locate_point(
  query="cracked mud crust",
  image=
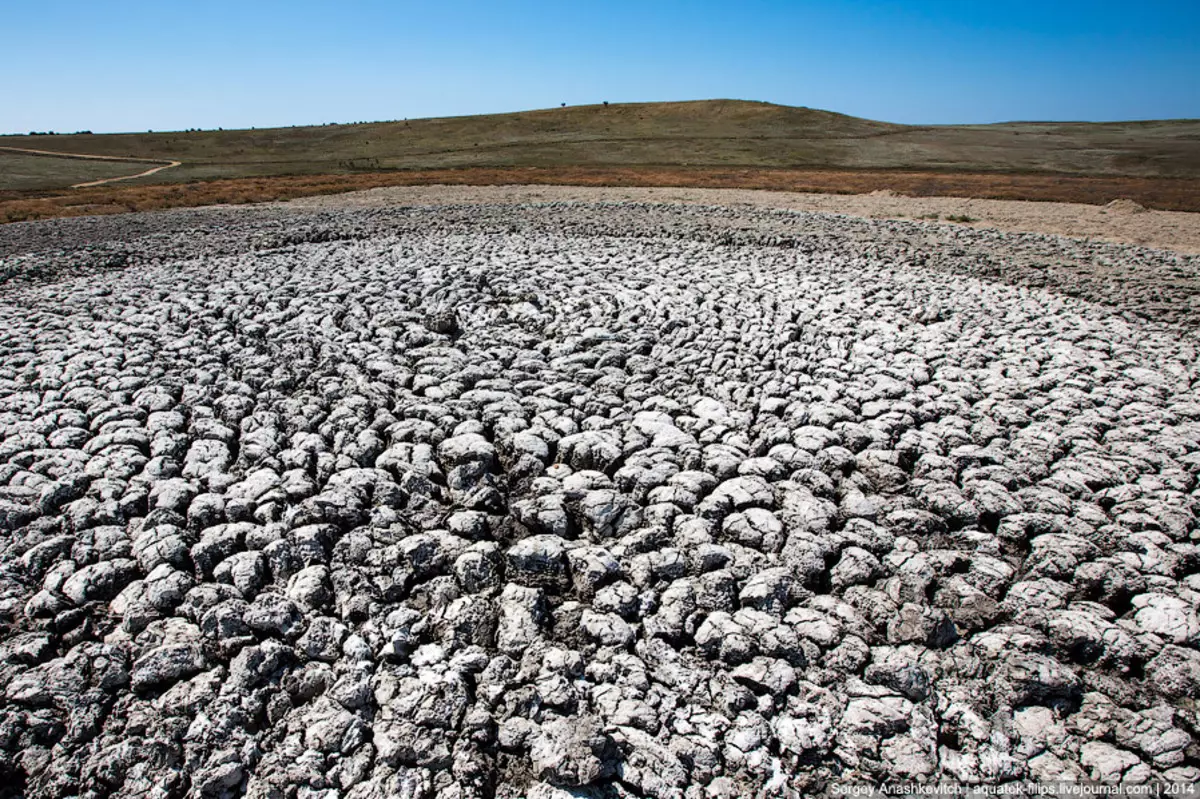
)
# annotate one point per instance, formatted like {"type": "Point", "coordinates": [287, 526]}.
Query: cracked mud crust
{"type": "Point", "coordinates": [612, 500]}
{"type": "Point", "coordinates": [1120, 221]}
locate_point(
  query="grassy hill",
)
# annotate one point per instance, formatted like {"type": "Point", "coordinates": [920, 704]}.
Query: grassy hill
{"type": "Point", "coordinates": [713, 133]}
{"type": "Point", "coordinates": [711, 143]}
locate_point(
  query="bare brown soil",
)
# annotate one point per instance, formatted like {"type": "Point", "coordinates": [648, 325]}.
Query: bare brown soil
{"type": "Point", "coordinates": [1168, 194]}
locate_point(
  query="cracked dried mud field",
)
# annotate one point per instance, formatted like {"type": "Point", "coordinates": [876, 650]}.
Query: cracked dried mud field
{"type": "Point", "coordinates": [617, 499]}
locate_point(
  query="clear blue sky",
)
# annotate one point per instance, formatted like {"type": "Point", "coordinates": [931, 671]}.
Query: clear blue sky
{"type": "Point", "coordinates": [113, 65]}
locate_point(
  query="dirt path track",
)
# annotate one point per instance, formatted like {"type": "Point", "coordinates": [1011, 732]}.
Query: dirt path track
{"type": "Point", "coordinates": [163, 164]}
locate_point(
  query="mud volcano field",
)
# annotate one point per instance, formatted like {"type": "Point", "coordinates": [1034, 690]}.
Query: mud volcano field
{"type": "Point", "coordinates": [590, 500]}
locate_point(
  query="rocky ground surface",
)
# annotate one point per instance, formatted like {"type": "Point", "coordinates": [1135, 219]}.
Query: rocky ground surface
{"type": "Point", "coordinates": [620, 500]}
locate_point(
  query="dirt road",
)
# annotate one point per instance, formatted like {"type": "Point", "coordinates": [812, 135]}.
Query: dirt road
{"type": "Point", "coordinates": [162, 164]}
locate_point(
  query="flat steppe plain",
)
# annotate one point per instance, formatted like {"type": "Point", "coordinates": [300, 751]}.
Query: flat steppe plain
{"type": "Point", "coordinates": [609, 497]}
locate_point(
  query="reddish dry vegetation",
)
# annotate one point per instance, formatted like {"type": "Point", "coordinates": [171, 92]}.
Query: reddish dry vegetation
{"type": "Point", "coordinates": [1168, 194]}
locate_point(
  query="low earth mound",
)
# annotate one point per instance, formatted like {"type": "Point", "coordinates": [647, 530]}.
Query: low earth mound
{"type": "Point", "coordinates": [588, 500]}
{"type": "Point", "coordinates": [1125, 206]}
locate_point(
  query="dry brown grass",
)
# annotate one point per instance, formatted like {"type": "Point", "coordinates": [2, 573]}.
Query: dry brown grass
{"type": "Point", "coordinates": [1169, 194]}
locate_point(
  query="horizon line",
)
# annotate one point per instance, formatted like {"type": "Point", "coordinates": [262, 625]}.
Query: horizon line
{"type": "Point", "coordinates": [603, 104]}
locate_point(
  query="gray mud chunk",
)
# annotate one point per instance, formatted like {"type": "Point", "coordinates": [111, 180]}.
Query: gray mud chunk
{"type": "Point", "coordinates": [916, 624]}
{"type": "Point", "coordinates": [14, 515]}
{"type": "Point", "coordinates": [162, 544]}
{"type": "Point", "coordinates": [471, 621]}
{"type": "Point", "coordinates": [274, 614]}
{"type": "Point", "coordinates": [469, 524]}
{"type": "Point", "coordinates": [42, 556]}
{"type": "Point", "coordinates": [620, 598]}
{"type": "Point", "coordinates": [330, 728]}
{"type": "Point", "coordinates": [246, 571]}
{"type": "Point", "coordinates": [737, 494]}
{"type": "Point", "coordinates": [166, 587]}
{"type": "Point", "coordinates": [766, 676]}
{"type": "Point", "coordinates": [521, 616]}
{"type": "Point", "coordinates": [878, 717]}
{"type": "Point", "coordinates": [218, 780]}
{"type": "Point", "coordinates": [907, 679]}
{"type": "Point", "coordinates": [572, 751]}
{"type": "Point", "coordinates": [1168, 616]}
{"type": "Point", "coordinates": [757, 528]}
{"type": "Point", "coordinates": [770, 591]}
{"type": "Point", "coordinates": [856, 566]}
{"type": "Point", "coordinates": [545, 514]}
{"type": "Point", "coordinates": [589, 450]}
{"type": "Point", "coordinates": [256, 665]}
{"type": "Point", "coordinates": [310, 587]}
{"type": "Point", "coordinates": [54, 495]}
{"type": "Point", "coordinates": [1032, 679]}
{"type": "Point", "coordinates": [444, 321]}
{"type": "Point", "coordinates": [479, 567]}
{"type": "Point", "coordinates": [607, 513]}
{"type": "Point", "coordinates": [1175, 671]}
{"type": "Point", "coordinates": [165, 666]}
{"type": "Point", "coordinates": [323, 639]}
{"type": "Point", "coordinates": [26, 648]}
{"type": "Point", "coordinates": [591, 568]}
{"type": "Point", "coordinates": [648, 766]}
{"type": "Point", "coordinates": [174, 494]}
{"type": "Point", "coordinates": [100, 581]}
{"type": "Point", "coordinates": [722, 636]}
{"type": "Point", "coordinates": [606, 629]}
{"type": "Point", "coordinates": [1107, 763]}
{"type": "Point", "coordinates": [206, 458]}
{"type": "Point", "coordinates": [225, 624]}
{"type": "Point", "coordinates": [470, 448]}
{"type": "Point", "coordinates": [215, 545]}
{"type": "Point", "coordinates": [538, 561]}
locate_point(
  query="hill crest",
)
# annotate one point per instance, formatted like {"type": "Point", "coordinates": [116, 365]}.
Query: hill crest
{"type": "Point", "coordinates": [698, 133]}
